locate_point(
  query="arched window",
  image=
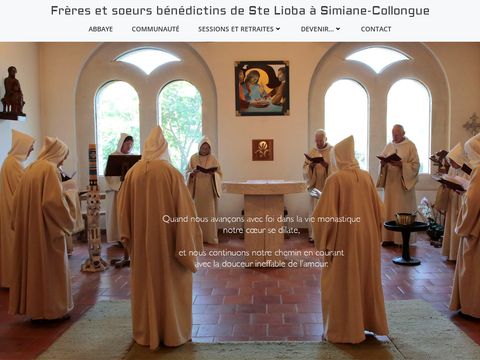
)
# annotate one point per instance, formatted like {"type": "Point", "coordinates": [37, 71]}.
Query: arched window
{"type": "Point", "coordinates": [147, 59]}
{"type": "Point", "coordinates": [116, 111]}
{"type": "Point", "coordinates": [346, 113]}
{"type": "Point", "coordinates": [148, 67]}
{"type": "Point", "coordinates": [404, 80]}
{"type": "Point", "coordinates": [377, 58]}
{"type": "Point", "coordinates": [409, 104]}
{"type": "Point", "coordinates": [180, 116]}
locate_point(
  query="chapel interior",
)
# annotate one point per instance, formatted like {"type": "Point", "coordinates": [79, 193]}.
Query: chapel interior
{"type": "Point", "coordinates": [63, 84]}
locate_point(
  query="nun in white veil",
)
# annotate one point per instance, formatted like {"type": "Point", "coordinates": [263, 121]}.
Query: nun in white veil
{"type": "Point", "coordinates": [42, 218]}
{"type": "Point", "coordinates": [204, 180]}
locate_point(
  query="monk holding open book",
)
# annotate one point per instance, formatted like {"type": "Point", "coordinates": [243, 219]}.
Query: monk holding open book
{"type": "Point", "coordinates": [316, 169]}
{"type": "Point", "coordinates": [204, 180]}
{"type": "Point", "coordinates": [456, 183]}
{"type": "Point", "coordinates": [399, 167]}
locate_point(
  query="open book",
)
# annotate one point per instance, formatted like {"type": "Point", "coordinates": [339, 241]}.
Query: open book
{"type": "Point", "coordinates": [466, 169]}
{"type": "Point", "coordinates": [439, 155]}
{"type": "Point", "coordinates": [455, 183]}
{"type": "Point", "coordinates": [206, 171]}
{"type": "Point", "coordinates": [315, 160]}
{"type": "Point", "coordinates": [65, 176]}
{"type": "Point", "coordinates": [315, 193]}
{"type": "Point", "coordinates": [390, 158]}
{"type": "Point", "coordinates": [118, 165]}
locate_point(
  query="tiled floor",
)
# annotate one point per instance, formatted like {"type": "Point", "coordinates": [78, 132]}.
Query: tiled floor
{"type": "Point", "coordinates": [241, 304]}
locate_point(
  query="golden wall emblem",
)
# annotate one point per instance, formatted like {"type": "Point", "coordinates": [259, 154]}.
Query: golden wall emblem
{"type": "Point", "coordinates": [262, 150]}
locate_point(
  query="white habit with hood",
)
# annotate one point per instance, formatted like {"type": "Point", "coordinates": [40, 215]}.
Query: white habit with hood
{"type": "Point", "coordinates": [41, 218]}
{"type": "Point", "coordinates": [10, 175]}
{"type": "Point", "coordinates": [205, 190]}
{"type": "Point", "coordinates": [162, 253]}
{"type": "Point", "coordinates": [113, 185]}
{"type": "Point", "coordinates": [315, 177]}
{"type": "Point", "coordinates": [451, 240]}
{"type": "Point", "coordinates": [399, 185]}
{"type": "Point", "coordinates": [352, 295]}
{"type": "Point", "coordinates": [466, 280]}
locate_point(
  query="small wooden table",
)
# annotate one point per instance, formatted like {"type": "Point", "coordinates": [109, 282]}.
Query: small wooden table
{"type": "Point", "coordinates": [264, 204]}
{"type": "Point", "coordinates": [406, 259]}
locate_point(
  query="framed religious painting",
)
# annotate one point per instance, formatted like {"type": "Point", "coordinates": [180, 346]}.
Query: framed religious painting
{"type": "Point", "coordinates": [262, 88]}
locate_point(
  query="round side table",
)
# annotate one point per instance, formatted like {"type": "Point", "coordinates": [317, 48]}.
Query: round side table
{"type": "Point", "coordinates": [405, 259]}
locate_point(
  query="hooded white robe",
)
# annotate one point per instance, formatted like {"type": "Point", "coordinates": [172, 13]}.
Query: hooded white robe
{"type": "Point", "coordinates": [10, 175]}
{"type": "Point", "coordinates": [451, 240]}
{"type": "Point", "coordinates": [113, 186]}
{"type": "Point", "coordinates": [205, 190]}
{"type": "Point", "coordinates": [351, 285]}
{"type": "Point", "coordinates": [399, 185]}
{"type": "Point", "coordinates": [466, 280]}
{"type": "Point", "coordinates": [161, 273]}
{"type": "Point", "coordinates": [316, 177]}
{"type": "Point", "coordinates": [41, 218]}
{"type": "Point", "coordinates": [70, 189]}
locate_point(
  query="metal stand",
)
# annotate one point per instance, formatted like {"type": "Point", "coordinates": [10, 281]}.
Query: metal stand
{"type": "Point", "coordinates": [406, 259]}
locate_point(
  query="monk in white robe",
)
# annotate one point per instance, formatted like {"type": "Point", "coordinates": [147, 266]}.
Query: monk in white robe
{"type": "Point", "coordinates": [10, 175]}
{"type": "Point", "coordinates": [315, 174]}
{"type": "Point", "coordinates": [451, 240]}
{"type": "Point", "coordinates": [41, 219]}
{"type": "Point", "coordinates": [352, 295]}
{"type": "Point", "coordinates": [124, 147]}
{"type": "Point", "coordinates": [162, 252]}
{"type": "Point", "coordinates": [398, 180]}
{"type": "Point", "coordinates": [466, 281]}
{"type": "Point", "coordinates": [205, 187]}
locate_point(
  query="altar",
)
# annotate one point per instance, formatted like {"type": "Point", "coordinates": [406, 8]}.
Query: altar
{"type": "Point", "coordinates": [263, 221]}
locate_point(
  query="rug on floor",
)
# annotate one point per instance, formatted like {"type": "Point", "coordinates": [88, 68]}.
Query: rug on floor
{"type": "Point", "coordinates": [417, 331]}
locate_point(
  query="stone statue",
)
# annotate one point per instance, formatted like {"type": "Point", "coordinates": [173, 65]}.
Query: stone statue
{"type": "Point", "coordinates": [13, 100]}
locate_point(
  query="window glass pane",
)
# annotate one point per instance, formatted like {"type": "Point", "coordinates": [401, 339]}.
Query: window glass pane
{"type": "Point", "coordinates": [409, 105]}
{"type": "Point", "coordinates": [378, 58]}
{"type": "Point", "coordinates": [147, 59]}
{"type": "Point", "coordinates": [346, 113]}
{"type": "Point", "coordinates": [116, 111]}
{"type": "Point", "coordinates": [180, 111]}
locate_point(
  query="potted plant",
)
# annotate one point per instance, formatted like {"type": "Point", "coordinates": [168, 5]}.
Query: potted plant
{"type": "Point", "coordinates": [434, 218]}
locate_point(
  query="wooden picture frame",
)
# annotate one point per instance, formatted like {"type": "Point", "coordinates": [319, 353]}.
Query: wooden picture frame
{"type": "Point", "coordinates": [262, 88]}
{"type": "Point", "coordinates": [262, 150]}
